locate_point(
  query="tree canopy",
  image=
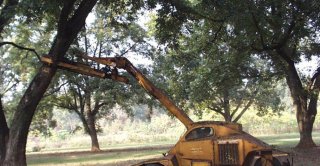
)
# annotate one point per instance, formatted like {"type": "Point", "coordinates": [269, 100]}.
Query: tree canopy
{"type": "Point", "coordinates": [281, 32]}
{"type": "Point", "coordinates": [212, 74]}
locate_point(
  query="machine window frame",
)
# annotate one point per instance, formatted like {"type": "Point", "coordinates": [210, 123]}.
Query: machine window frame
{"type": "Point", "coordinates": [199, 134]}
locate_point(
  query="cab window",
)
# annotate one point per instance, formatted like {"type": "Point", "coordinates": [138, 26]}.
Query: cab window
{"type": "Point", "coordinates": [199, 133]}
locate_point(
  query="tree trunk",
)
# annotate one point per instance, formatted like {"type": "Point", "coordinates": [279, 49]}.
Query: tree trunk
{"type": "Point", "coordinates": [88, 123]}
{"type": "Point", "coordinates": [93, 134]}
{"type": "Point", "coordinates": [91, 124]}
{"type": "Point", "coordinates": [4, 133]}
{"type": "Point", "coordinates": [226, 106]}
{"type": "Point", "coordinates": [305, 115]}
{"type": "Point", "coordinates": [305, 123]}
{"type": "Point", "coordinates": [67, 32]}
{"type": "Point", "coordinates": [149, 112]}
{"type": "Point", "coordinates": [7, 12]}
{"type": "Point", "coordinates": [306, 118]}
{"type": "Point", "coordinates": [84, 123]}
{"type": "Point", "coordinates": [16, 146]}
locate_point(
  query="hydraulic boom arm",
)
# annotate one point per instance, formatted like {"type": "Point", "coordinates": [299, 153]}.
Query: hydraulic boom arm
{"type": "Point", "coordinates": [124, 63]}
{"type": "Point", "coordinates": [121, 63]}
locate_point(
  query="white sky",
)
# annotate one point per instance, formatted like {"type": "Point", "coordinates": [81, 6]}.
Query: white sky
{"type": "Point", "coordinates": [308, 67]}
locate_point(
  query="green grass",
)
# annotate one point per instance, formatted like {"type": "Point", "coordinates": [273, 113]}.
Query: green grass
{"type": "Point", "coordinates": [104, 147]}
{"type": "Point", "coordinates": [287, 140]}
{"type": "Point", "coordinates": [89, 158]}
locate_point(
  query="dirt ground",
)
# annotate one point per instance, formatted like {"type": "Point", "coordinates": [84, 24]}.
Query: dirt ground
{"type": "Point", "coordinates": [308, 157]}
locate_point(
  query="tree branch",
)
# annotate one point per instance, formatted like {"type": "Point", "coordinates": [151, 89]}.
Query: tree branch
{"type": "Point", "coordinates": [259, 31]}
{"type": "Point", "coordinates": [251, 100]}
{"type": "Point", "coordinates": [284, 55]}
{"type": "Point", "coordinates": [239, 103]}
{"type": "Point", "coordinates": [314, 95]}
{"type": "Point", "coordinates": [69, 28]}
{"type": "Point", "coordinates": [82, 12]}
{"type": "Point", "coordinates": [189, 10]}
{"type": "Point", "coordinates": [8, 88]}
{"type": "Point", "coordinates": [286, 36]}
{"type": "Point", "coordinates": [64, 15]}
{"type": "Point", "coordinates": [215, 36]}
{"type": "Point", "coordinates": [216, 109]}
{"type": "Point", "coordinates": [7, 12]}
{"type": "Point", "coordinates": [237, 108]}
{"type": "Point", "coordinates": [54, 90]}
{"type": "Point", "coordinates": [97, 107]}
{"type": "Point", "coordinates": [81, 100]}
{"type": "Point", "coordinates": [68, 107]}
{"type": "Point", "coordinates": [312, 84]}
{"type": "Point", "coordinates": [127, 50]}
{"type": "Point", "coordinates": [3, 123]}
{"type": "Point", "coordinates": [243, 110]}
{"type": "Point", "coordinates": [75, 102]}
{"type": "Point", "coordinates": [20, 47]}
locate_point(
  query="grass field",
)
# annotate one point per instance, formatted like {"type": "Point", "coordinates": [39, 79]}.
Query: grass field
{"type": "Point", "coordinates": [125, 155]}
{"type": "Point", "coordinates": [287, 140]}
{"type": "Point", "coordinates": [87, 158]}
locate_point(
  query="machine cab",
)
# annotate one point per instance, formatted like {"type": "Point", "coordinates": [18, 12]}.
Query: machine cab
{"type": "Point", "coordinates": [196, 146]}
{"type": "Point", "coordinates": [214, 143]}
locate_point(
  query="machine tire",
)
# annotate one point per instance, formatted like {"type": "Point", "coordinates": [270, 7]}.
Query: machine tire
{"type": "Point", "coordinates": [275, 162]}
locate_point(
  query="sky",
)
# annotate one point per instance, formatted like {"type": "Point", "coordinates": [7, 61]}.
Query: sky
{"type": "Point", "coordinates": [308, 68]}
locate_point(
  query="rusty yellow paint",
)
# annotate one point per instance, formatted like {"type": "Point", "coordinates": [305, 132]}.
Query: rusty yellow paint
{"type": "Point", "coordinates": [201, 163]}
